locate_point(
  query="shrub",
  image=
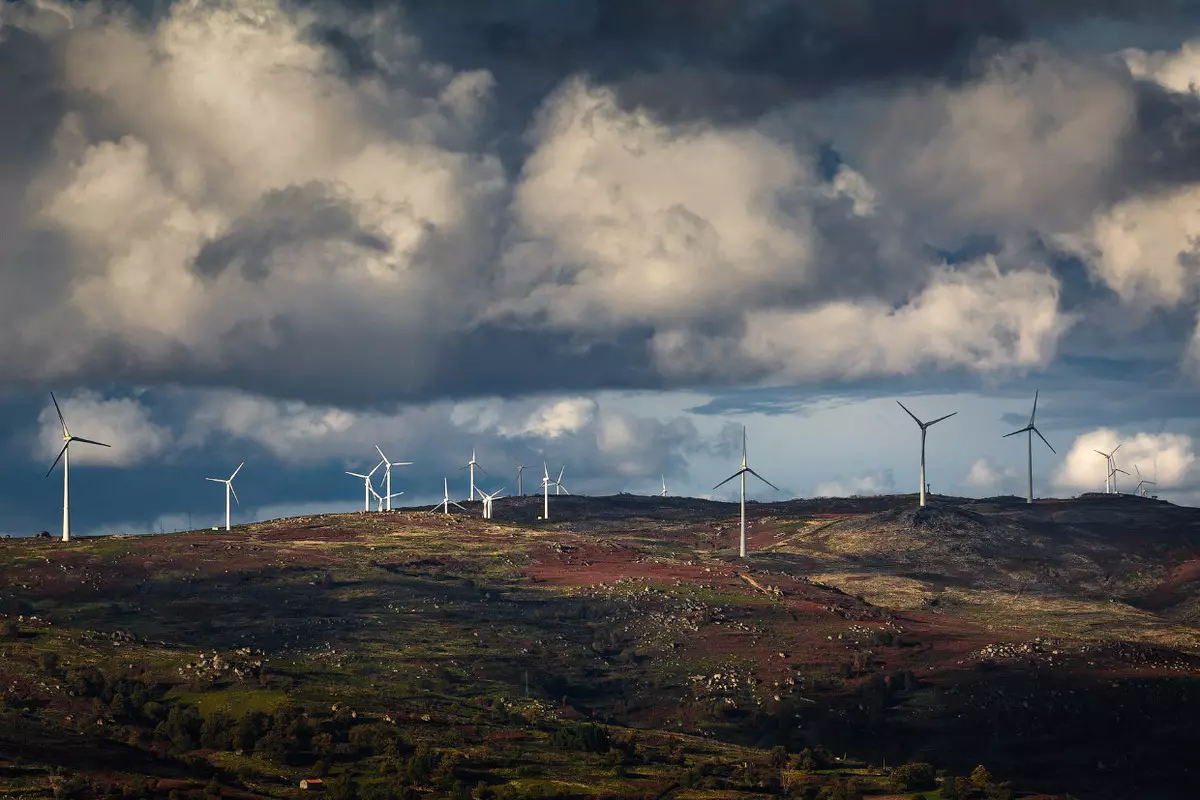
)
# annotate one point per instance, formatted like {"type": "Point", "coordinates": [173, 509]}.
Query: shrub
{"type": "Point", "coordinates": [957, 788]}
{"type": "Point", "coordinates": [915, 777]}
{"type": "Point", "coordinates": [588, 738]}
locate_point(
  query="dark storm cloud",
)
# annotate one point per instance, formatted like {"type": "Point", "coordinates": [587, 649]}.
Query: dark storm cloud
{"type": "Point", "coordinates": [293, 217]}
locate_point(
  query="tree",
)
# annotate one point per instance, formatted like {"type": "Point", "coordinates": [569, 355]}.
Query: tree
{"type": "Point", "coordinates": [343, 788]}
{"type": "Point", "coordinates": [779, 757]}
{"type": "Point", "coordinates": [957, 788]}
{"type": "Point", "coordinates": [981, 777]}
{"type": "Point", "coordinates": [914, 777]}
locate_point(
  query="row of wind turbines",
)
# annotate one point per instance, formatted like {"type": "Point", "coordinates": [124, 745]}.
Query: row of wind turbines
{"type": "Point", "coordinates": [384, 500]}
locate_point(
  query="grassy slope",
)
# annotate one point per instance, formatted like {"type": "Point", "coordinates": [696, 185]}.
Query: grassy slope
{"type": "Point", "coordinates": [632, 616]}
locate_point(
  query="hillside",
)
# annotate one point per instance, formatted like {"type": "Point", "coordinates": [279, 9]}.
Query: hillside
{"type": "Point", "coordinates": [618, 651]}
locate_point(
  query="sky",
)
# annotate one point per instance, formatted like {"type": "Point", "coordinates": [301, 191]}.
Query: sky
{"type": "Point", "coordinates": [606, 235]}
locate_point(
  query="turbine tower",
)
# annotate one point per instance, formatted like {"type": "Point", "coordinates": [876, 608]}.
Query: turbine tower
{"type": "Point", "coordinates": [65, 456]}
{"type": "Point", "coordinates": [446, 501]}
{"type": "Point", "coordinates": [487, 501]}
{"type": "Point", "coordinates": [545, 491]}
{"type": "Point", "coordinates": [663, 493]}
{"type": "Point", "coordinates": [229, 490]}
{"type": "Point", "coordinates": [742, 473]}
{"type": "Point", "coordinates": [387, 475]}
{"type": "Point", "coordinates": [1031, 430]}
{"type": "Point", "coordinates": [925, 426]}
{"type": "Point", "coordinates": [520, 469]}
{"type": "Point", "coordinates": [472, 464]}
{"type": "Point", "coordinates": [367, 488]}
{"type": "Point", "coordinates": [1142, 482]}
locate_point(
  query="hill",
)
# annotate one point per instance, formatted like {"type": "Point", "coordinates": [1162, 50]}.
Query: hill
{"type": "Point", "coordinates": [619, 650]}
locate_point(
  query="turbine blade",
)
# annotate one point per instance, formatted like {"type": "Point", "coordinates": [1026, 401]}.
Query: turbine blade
{"type": "Point", "coordinates": [357, 475]}
{"type": "Point", "coordinates": [727, 480]}
{"type": "Point", "coordinates": [234, 491]}
{"type": "Point", "coordinates": [1106, 455]}
{"type": "Point", "coordinates": [61, 421]}
{"type": "Point", "coordinates": [1034, 414]}
{"type": "Point", "coordinates": [236, 471]}
{"type": "Point", "coordinates": [560, 472]}
{"type": "Point", "coordinates": [479, 467]}
{"type": "Point", "coordinates": [1115, 449]}
{"type": "Point", "coordinates": [60, 455]}
{"type": "Point", "coordinates": [559, 485]}
{"type": "Point", "coordinates": [464, 466]}
{"type": "Point", "coordinates": [402, 463]}
{"type": "Point", "coordinates": [914, 416]}
{"type": "Point", "coordinates": [215, 480]}
{"type": "Point", "coordinates": [1043, 438]}
{"type": "Point", "coordinates": [939, 419]}
{"type": "Point", "coordinates": [761, 478]}
{"type": "Point", "coordinates": [457, 504]}
{"type": "Point", "coordinates": [1014, 433]}
{"type": "Point", "coordinates": [88, 441]}
{"type": "Point", "coordinates": [381, 455]}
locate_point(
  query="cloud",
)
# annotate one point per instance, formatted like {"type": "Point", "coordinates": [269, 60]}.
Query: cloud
{"type": "Point", "coordinates": [226, 194]}
{"type": "Point", "coordinates": [622, 219]}
{"type": "Point", "coordinates": [1165, 457]}
{"type": "Point", "coordinates": [988, 478]}
{"type": "Point", "coordinates": [976, 318]}
{"type": "Point", "coordinates": [865, 485]}
{"type": "Point", "coordinates": [123, 423]}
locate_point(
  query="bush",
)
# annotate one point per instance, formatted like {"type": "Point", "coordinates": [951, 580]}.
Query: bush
{"type": "Point", "coordinates": [915, 777]}
{"type": "Point", "coordinates": [588, 738]}
{"type": "Point", "coordinates": [9, 629]}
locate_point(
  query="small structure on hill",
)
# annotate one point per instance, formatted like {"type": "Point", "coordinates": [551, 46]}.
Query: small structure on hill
{"type": "Point", "coordinates": [312, 784]}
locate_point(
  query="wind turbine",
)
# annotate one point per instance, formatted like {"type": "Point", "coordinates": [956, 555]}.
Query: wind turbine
{"type": "Point", "coordinates": [742, 472]}
{"type": "Point", "coordinates": [380, 499]}
{"type": "Point", "coordinates": [446, 501]}
{"type": "Point", "coordinates": [545, 491]}
{"type": "Point", "coordinates": [925, 426]}
{"type": "Point", "coordinates": [65, 456]}
{"type": "Point", "coordinates": [1109, 464]}
{"type": "Point", "coordinates": [1142, 482]}
{"type": "Point", "coordinates": [367, 488]}
{"type": "Point", "coordinates": [487, 501]}
{"type": "Point", "coordinates": [229, 490]}
{"type": "Point", "coordinates": [472, 464]}
{"type": "Point", "coordinates": [1031, 430]}
{"type": "Point", "coordinates": [558, 487]}
{"type": "Point", "coordinates": [1115, 470]}
{"type": "Point", "coordinates": [387, 475]}
{"type": "Point", "coordinates": [663, 493]}
{"type": "Point", "coordinates": [520, 469]}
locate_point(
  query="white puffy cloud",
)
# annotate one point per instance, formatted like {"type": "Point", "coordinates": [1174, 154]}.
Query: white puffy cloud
{"type": "Point", "coordinates": [122, 423]}
{"type": "Point", "coordinates": [622, 218]}
{"type": "Point", "coordinates": [1167, 458]}
{"type": "Point", "coordinates": [253, 198]}
{"type": "Point", "coordinates": [1026, 145]}
{"type": "Point", "coordinates": [977, 318]}
{"type": "Point", "coordinates": [989, 478]}
{"type": "Point", "coordinates": [865, 485]}
{"type": "Point", "coordinates": [1178, 71]}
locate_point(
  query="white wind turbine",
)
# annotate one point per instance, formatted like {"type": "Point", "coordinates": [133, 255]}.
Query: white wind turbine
{"type": "Point", "coordinates": [472, 464]}
{"type": "Point", "coordinates": [387, 475]}
{"type": "Point", "coordinates": [663, 493]}
{"type": "Point", "coordinates": [1142, 482]}
{"type": "Point", "coordinates": [1115, 470]}
{"type": "Point", "coordinates": [558, 484]}
{"type": "Point", "coordinates": [367, 487]}
{"type": "Point", "coordinates": [446, 501]}
{"type": "Point", "coordinates": [1031, 430]}
{"type": "Point", "coordinates": [380, 499]}
{"type": "Point", "coordinates": [545, 491]}
{"type": "Point", "coordinates": [65, 456]}
{"type": "Point", "coordinates": [925, 426]}
{"type": "Point", "coordinates": [742, 472]}
{"type": "Point", "coordinates": [229, 490]}
{"type": "Point", "coordinates": [487, 501]}
{"type": "Point", "coordinates": [520, 468]}
{"type": "Point", "coordinates": [1110, 466]}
